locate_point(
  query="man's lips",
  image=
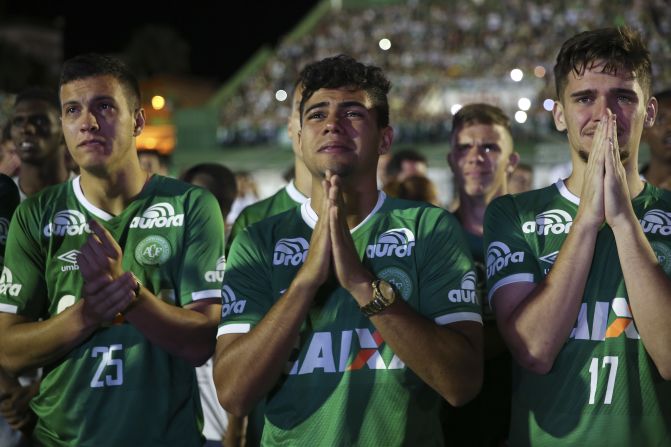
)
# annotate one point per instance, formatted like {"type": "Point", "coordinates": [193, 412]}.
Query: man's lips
{"type": "Point", "coordinates": [335, 147]}
{"type": "Point", "coordinates": [91, 143]}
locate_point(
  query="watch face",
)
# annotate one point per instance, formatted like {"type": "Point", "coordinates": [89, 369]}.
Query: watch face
{"type": "Point", "coordinates": [387, 291]}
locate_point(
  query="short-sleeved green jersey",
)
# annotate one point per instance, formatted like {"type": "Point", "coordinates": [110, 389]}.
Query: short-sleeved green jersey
{"type": "Point", "coordinates": [282, 200]}
{"type": "Point", "coordinates": [9, 200]}
{"type": "Point", "coordinates": [343, 384]}
{"type": "Point", "coordinates": [603, 388]}
{"type": "Point", "coordinates": [116, 388]}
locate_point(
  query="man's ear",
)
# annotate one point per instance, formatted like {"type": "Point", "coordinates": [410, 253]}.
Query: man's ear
{"type": "Point", "coordinates": [386, 140]}
{"type": "Point", "coordinates": [140, 121]}
{"type": "Point", "coordinates": [558, 115]}
{"type": "Point", "coordinates": [513, 159]}
{"type": "Point", "coordinates": [650, 112]}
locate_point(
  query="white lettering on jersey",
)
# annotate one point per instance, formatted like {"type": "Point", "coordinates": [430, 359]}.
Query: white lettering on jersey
{"type": "Point", "coordinates": [656, 222]}
{"type": "Point", "coordinates": [466, 293]}
{"type": "Point", "coordinates": [159, 215]}
{"type": "Point", "coordinates": [601, 330]}
{"type": "Point", "coordinates": [397, 242]}
{"type": "Point", "coordinates": [230, 304]}
{"type": "Point", "coordinates": [552, 221]}
{"type": "Point", "coordinates": [70, 259]}
{"type": "Point", "coordinates": [67, 223]}
{"type": "Point", "coordinates": [292, 251]}
{"type": "Point", "coordinates": [499, 256]}
{"type": "Point", "coordinates": [4, 230]}
{"type": "Point", "coordinates": [320, 354]}
{"type": "Point", "coordinates": [7, 283]}
{"type": "Point", "coordinates": [218, 274]}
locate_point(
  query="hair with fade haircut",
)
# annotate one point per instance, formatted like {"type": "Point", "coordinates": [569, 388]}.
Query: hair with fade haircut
{"type": "Point", "coordinates": [93, 64]}
{"type": "Point", "coordinates": [39, 93]}
{"type": "Point", "coordinates": [479, 113]}
{"type": "Point", "coordinates": [344, 71]}
{"type": "Point", "coordinates": [620, 48]}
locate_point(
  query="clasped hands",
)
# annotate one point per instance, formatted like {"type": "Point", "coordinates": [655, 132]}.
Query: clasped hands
{"type": "Point", "coordinates": [605, 193]}
{"type": "Point", "coordinates": [108, 290]}
{"type": "Point", "coordinates": [332, 247]}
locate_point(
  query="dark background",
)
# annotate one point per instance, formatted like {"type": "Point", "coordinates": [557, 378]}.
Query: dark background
{"type": "Point", "coordinates": [220, 35]}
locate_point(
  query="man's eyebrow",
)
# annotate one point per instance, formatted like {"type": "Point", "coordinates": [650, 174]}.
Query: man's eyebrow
{"type": "Point", "coordinates": [626, 91]}
{"type": "Point", "coordinates": [316, 106]}
{"type": "Point", "coordinates": [352, 104]}
{"type": "Point", "coordinates": [583, 92]}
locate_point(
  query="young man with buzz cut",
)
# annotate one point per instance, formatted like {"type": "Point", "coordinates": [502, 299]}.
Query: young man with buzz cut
{"type": "Point", "coordinates": [354, 313]}
{"type": "Point", "coordinates": [107, 281]}
{"type": "Point", "coordinates": [578, 272]}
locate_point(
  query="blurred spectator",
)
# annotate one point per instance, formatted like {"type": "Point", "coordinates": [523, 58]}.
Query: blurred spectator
{"type": "Point", "coordinates": [522, 179]}
{"type": "Point", "coordinates": [248, 193]}
{"type": "Point", "coordinates": [154, 162]}
{"type": "Point", "coordinates": [406, 163]}
{"type": "Point", "coordinates": [382, 162]}
{"type": "Point", "coordinates": [658, 138]}
{"type": "Point", "coordinates": [415, 187]}
{"type": "Point", "coordinates": [220, 181]}
{"type": "Point", "coordinates": [10, 163]}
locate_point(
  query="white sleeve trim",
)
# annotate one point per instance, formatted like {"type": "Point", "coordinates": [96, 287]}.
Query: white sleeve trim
{"type": "Point", "coordinates": [518, 277]}
{"type": "Point", "coordinates": [239, 328]}
{"type": "Point", "coordinates": [8, 308]}
{"type": "Point", "coordinates": [204, 294]}
{"type": "Point", "coordinates": [458, 316]}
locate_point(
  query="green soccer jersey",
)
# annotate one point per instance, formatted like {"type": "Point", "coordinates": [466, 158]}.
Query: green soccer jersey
{"type": "Point", "coordinates": [282, 200]}
{"type": "Point", "coordinates": [343, 385]}
{"type": "Point", "coordinates": [116, 388]}
{"type": "Point", "coordinates": [603, 388]}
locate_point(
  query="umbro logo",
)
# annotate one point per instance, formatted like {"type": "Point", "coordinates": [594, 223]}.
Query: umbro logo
{"type": "Point", "coordinates": [70, 259]}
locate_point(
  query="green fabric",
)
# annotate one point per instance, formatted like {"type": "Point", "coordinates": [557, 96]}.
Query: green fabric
{"type": "Point", "coordinates": [344, 385]}
{"type": "Point", "coordinates": [575, 404]}
{"type": "Point", "coordinates": [116, 388]}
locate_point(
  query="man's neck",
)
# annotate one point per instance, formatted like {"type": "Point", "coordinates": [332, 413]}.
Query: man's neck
{"type": "Point", "coordinates": [34, 178]}
{"type": "Point", "coordinates": [113, 191]}
{"type": "Point", "coordinates": [302, 178]}
{"type": "Point", "coordinates": [471, 212]}
{"type": "Point", "coordinates": [359, 199]}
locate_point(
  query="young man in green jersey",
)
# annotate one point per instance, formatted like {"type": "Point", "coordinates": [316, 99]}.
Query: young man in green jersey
{"type": "Point", "coordinates": [578, 271]}
{"type": "Point", "coordinates": [482, 158]}
{"type": "Point", "coordinates": [109, 280]}
{"type": "Point", "coordinates": [354, 313]}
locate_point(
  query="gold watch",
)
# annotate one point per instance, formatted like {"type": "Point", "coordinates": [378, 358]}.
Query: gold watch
{"type": "Point", "coordinates": [384, 295]}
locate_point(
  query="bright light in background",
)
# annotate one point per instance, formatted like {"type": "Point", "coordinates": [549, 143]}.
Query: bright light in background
{"type": "Point", "coordinates": [385, 44]}
{"type": "Point", "coordinates": [548, 104]}
{"type": "Point", "coordinates": [455, 108]}
{"type": "Point", "coordinates": [158, 102]}
{"type": "Point", "coordinates": [520, 116]}
{"type": "Point", "coordinates": [281, 95]}
{"type": "Point", "coordinates": [524, 104]}
{"type": "Point", "coordinates": [516, 74]}
{"type": "Point", "coordinates": [539, 71]}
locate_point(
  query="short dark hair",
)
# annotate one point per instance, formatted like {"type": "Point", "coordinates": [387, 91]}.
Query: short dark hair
{"type": "Point", "coordinates": [345, 71]}
{"type": "Point", "coordinates": [220, 181]}
{"type": "Point", "coordinates": [479, 113]}
{"type": "Point", "coordinates": [395, 164]}
{"type": "Point", "coordinates": [39, 93]}
{"type": "Point", "coordinates": [620, 48]}
{"type": "Point", "coordinates": [93, 64]}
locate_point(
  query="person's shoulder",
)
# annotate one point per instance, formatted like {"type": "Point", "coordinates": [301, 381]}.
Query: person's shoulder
{"type": "Point", "coordinates": [527, 199]}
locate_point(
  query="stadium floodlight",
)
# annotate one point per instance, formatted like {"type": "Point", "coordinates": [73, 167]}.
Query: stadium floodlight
{"type": "Point", "coordinates": [524, 104]}
{"type": "Point", "coordinates": [385, 44]}
{"type": "Point", "coordinates": [548, 104]}
{"type": "Point", "coordinates": [516, 74]}
{"type": "Point", "coordinates": [520, 116]}
{"type": "Point", "coordinates": [281, 95]}
{"type": "Point", "coordinates": [157, 102]}
{"type": "Point", "coordinates": [455, 108]}
{"type": "Point", "coordinates": [539, 71]}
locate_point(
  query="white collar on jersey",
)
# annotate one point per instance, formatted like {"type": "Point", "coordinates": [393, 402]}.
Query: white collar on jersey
{"type": "Point", "coordinates": [91, 208]}
{"type": "Point", "coordinates": [294, 193]}
{"type": "Point", "coordinates": [565, 193]}
{"type": "Point", "coordinates": [310, 217]}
